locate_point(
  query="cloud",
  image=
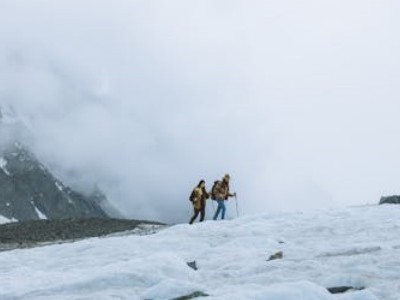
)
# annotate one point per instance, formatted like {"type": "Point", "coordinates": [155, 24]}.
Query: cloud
{"type": "Point", "coordinates": [297, 101]}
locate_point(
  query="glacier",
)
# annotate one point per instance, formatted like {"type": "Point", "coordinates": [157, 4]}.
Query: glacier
{"type": "Point", "coordinates": [354, 246]}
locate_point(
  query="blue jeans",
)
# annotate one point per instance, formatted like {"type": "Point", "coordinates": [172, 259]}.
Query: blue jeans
{"type": "Point", "coordinates": [220, 208]}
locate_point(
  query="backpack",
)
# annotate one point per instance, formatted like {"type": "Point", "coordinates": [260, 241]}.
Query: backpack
{"type": "Point", "coordinates": [213, 190]}
{"type": "Point", "coordinates": [192, 195]}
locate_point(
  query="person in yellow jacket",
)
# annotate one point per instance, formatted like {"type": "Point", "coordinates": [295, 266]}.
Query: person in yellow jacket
{"type": "Point", "coordinates": [198, 198]}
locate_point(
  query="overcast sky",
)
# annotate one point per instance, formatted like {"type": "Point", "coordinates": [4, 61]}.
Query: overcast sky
{"type": "Point", "coordinates": [297, 100]}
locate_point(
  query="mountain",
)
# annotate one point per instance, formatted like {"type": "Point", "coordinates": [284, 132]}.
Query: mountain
{"type": "Point", "coordinates": [29, 191]}
{"type": "Point", "coordinates": [8, 115]}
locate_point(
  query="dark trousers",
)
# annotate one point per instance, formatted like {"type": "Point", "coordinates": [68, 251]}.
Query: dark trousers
{"type": "Point", "coordinates": [201, 211]}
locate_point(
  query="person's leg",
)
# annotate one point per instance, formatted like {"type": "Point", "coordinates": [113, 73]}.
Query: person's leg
{"type": "Point", "coordinates": [218, 210]}
{"type": "Point", "coordinates": [220, 207]}
{"type": "Point", "coordinates": [223, 208]}
{"type": "Point", "coordinates": [195, 214]}
{"type": "Point", "coordinates": [202, 212]}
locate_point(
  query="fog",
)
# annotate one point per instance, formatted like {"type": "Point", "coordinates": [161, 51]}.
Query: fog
{"type": "Point", "coordinates": [297, 100]}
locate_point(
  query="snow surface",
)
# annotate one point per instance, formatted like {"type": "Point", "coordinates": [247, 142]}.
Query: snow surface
{"type": "Point", "coordinates": [4, 220]}
{"type": "Point", "coordinates": [3, 164]}
{"type": "Point", "coordinates": [59, 186]}
{"type": "Point", "coordinates": [357, 246]}
{"type": "Point", "coordinates": [41, 215]}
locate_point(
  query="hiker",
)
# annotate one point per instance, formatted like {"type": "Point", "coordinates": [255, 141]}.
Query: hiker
{"type": "Point", "coordinates": [220, 193]}
{"type": "Point", "coordinates": [198, 198]}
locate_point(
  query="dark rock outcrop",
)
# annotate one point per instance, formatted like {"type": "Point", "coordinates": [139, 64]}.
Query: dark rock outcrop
{"type": "Point", "coordinates": [343, 289]}
{"type": "Point", "coordinates": [192, 296]}
{"type": "Point", "coordinates": [28, 191]}
{"type": "Point", "coordinates": [192, 264]}
{"type": "Point", "coordinates": [30, 233]}
{"type": "Point", "coordinates": [390, 200]}
{"type": "Point", "coordinates": [277, 255]}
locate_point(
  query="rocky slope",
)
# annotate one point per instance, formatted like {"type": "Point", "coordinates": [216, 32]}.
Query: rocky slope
{"type": "Point", "coordinates": [36, 232]}
{"type": "Point", "coordinates": [28, 191]}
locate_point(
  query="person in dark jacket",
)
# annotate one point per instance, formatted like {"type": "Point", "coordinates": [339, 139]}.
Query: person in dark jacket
{"type": "Point", "coordinates": [221, 194]}
{"type": "Point", "coordinates": [198, 199]}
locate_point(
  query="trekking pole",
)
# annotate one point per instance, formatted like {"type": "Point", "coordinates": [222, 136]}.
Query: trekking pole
{"type": "Point", "coordinates": [237, 206]}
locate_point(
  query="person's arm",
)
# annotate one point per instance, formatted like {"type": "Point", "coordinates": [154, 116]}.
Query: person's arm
{"type": "Point", "coordinates": [229, 194]}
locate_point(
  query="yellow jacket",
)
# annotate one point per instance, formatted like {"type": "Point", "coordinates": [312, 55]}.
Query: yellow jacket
{"type": "Point", "coordinates": [198, 195]}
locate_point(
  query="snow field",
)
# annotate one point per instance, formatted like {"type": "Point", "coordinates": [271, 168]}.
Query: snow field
{"type": "Point", "coordinates": [357, 247]}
